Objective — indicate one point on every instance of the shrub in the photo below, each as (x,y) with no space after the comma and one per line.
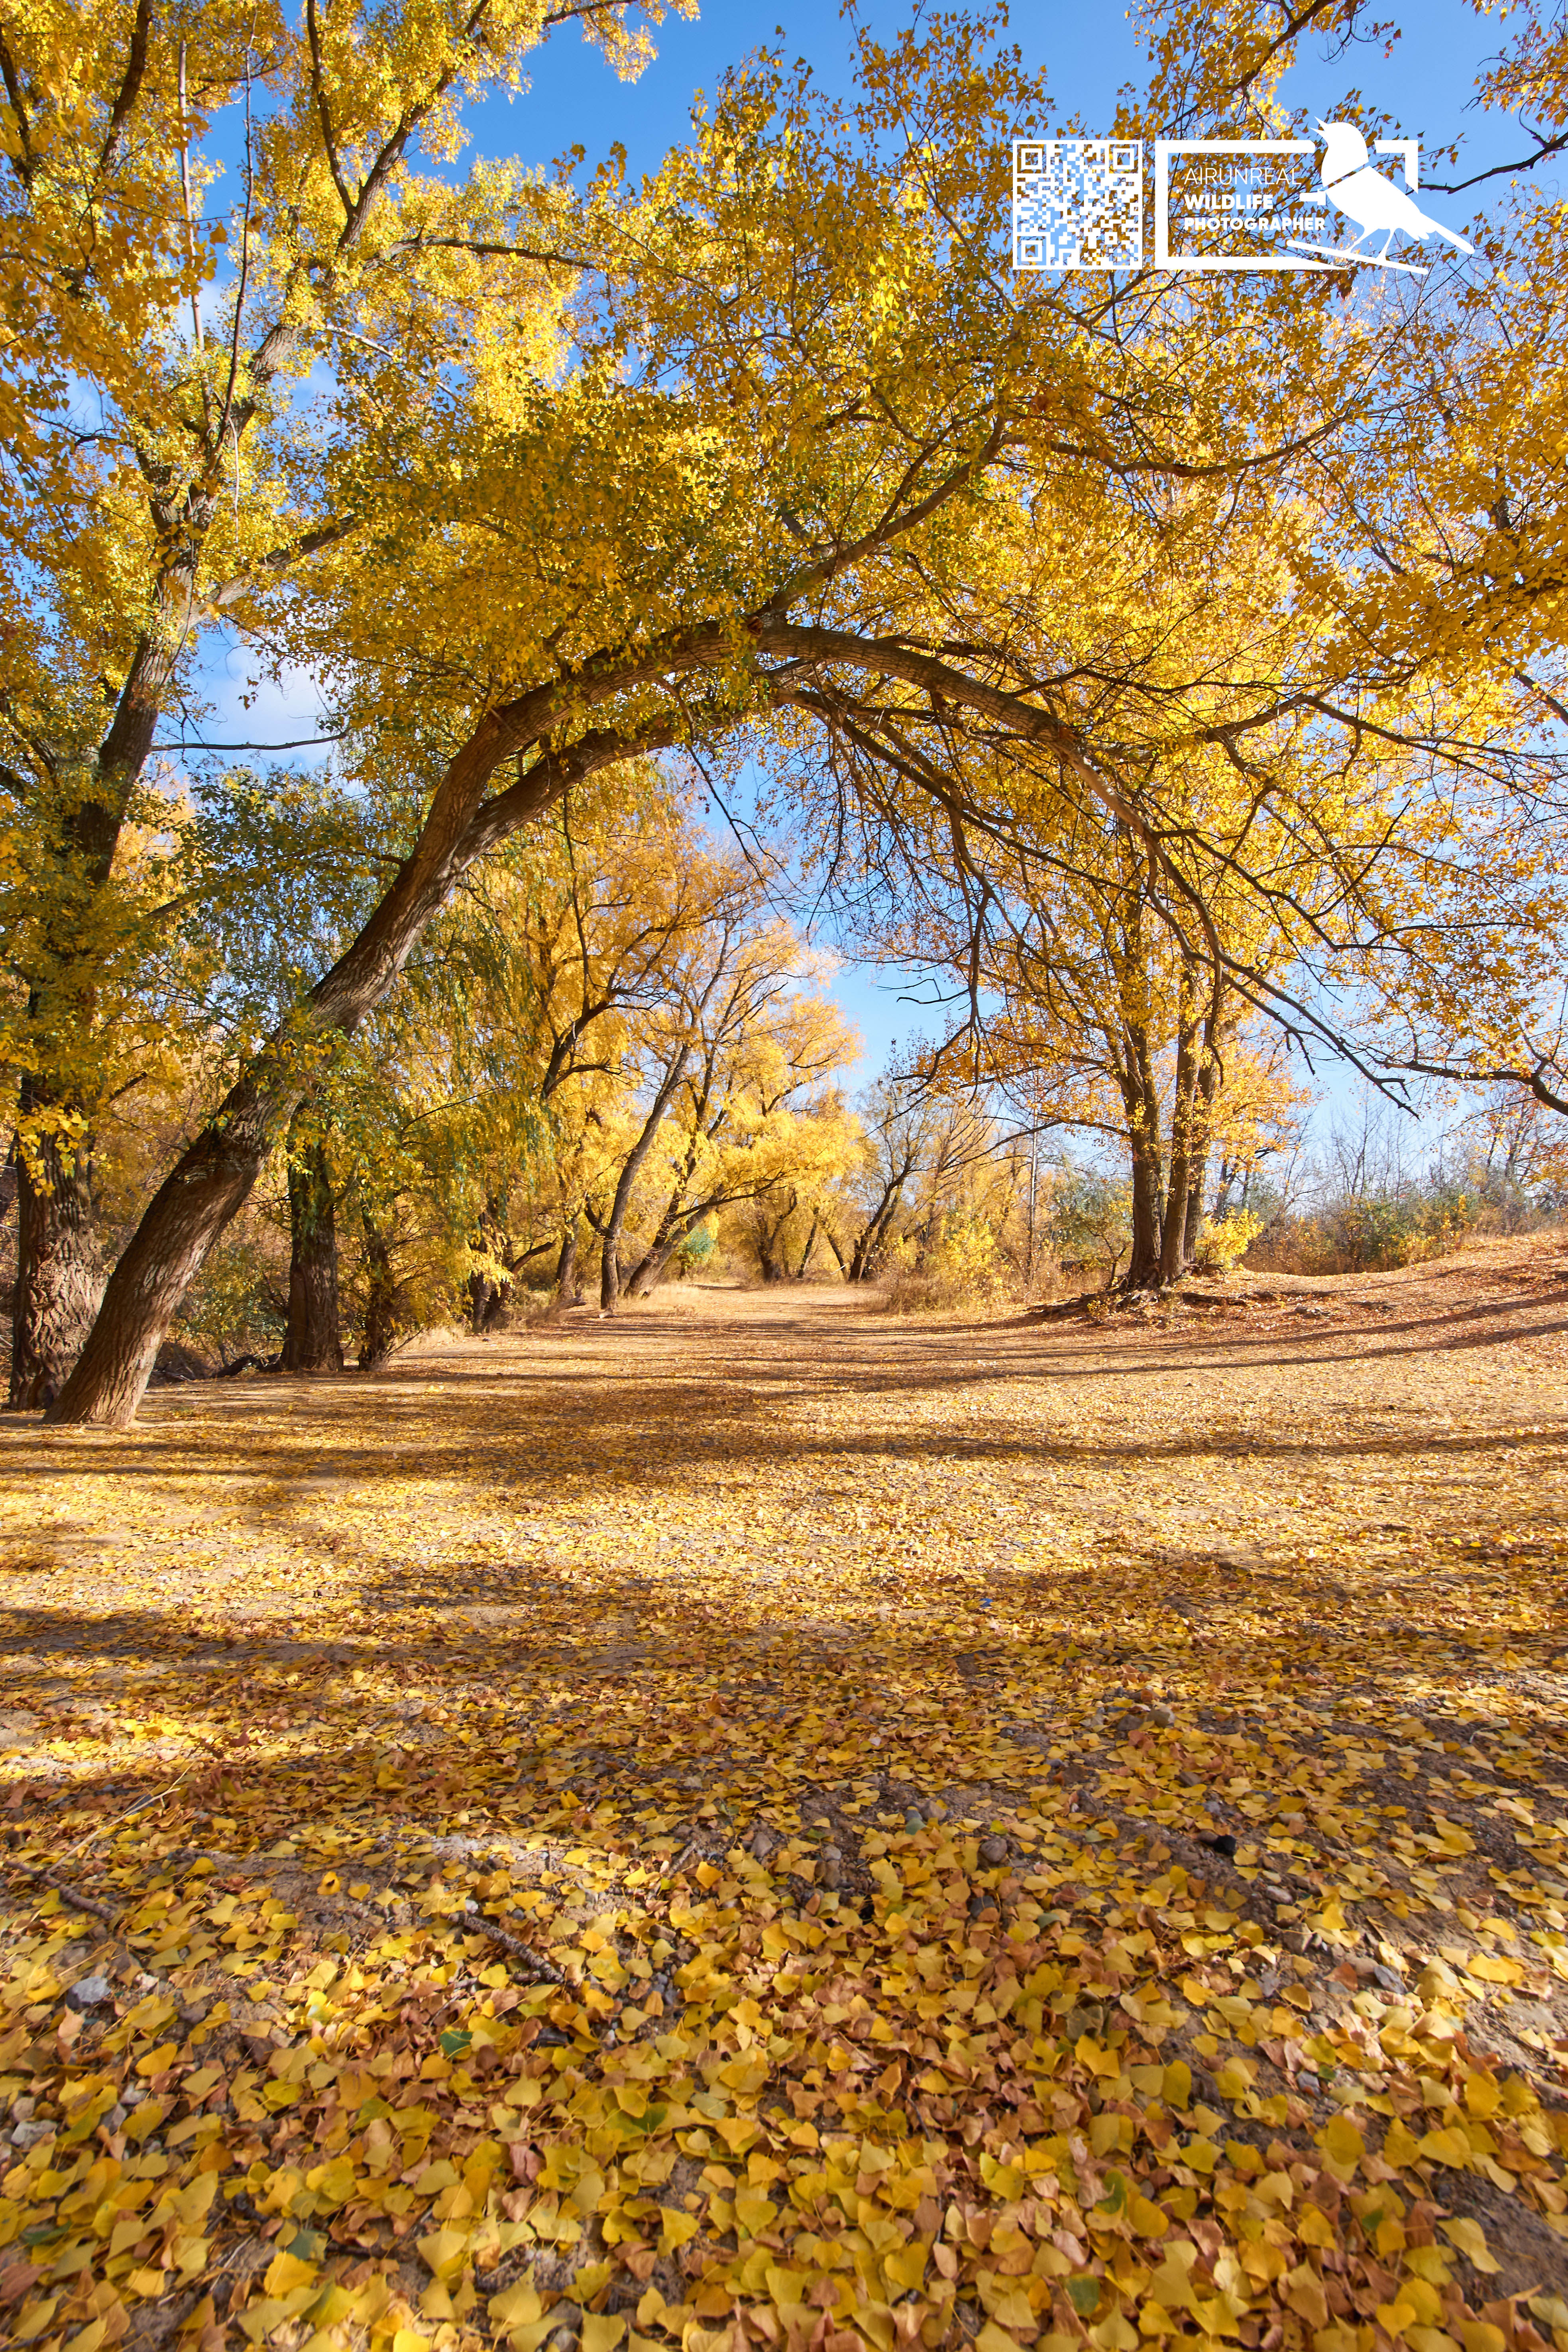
(1223,1242)
(1089,1223)
(236,1305)
(1370,1232)
(958,1268)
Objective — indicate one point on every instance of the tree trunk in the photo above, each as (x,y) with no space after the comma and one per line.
(1198,1186)
(869,1243)
(1173,1228)
(381,1305)
(190,1209)
(1208,1079)
(312,1342)
(674,1229)
(487,1302)
(610,1260)
(770,1245)
(213,1178)
(1144,1264)
(810,1244)
(1142,1099)
(59,1273)
(651,1269)
(488,1298)
(568,1288)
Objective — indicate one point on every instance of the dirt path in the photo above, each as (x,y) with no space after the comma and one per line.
(1036,1757)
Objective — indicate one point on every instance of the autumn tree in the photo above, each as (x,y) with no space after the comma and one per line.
(460,1127)
(783,482)
(206,470)
(1439,565)
(754,1119)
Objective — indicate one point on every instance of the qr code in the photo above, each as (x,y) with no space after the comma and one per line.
(1077,204)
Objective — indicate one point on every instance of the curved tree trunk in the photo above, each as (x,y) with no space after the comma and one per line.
(673,1231)
(190,1209)
(213,1178)
(60,1272)
(312,1342)
(651,1268)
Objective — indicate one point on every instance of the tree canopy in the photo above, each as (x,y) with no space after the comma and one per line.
(1236,599)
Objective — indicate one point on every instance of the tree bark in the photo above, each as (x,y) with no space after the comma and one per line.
(1143,1104)
(60,1272)
(185,1216)
(869,1242)
(1197,1184)
(770,1244)
(312,1342)
(1208,1087)
(1143,1264)
(567,1289)
(653,1264)
(381,1305)
(674,1229)
(1178,1182)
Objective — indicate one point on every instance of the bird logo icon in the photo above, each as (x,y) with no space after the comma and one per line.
(1362,194)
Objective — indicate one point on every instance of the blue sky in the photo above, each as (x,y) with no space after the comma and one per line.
(1088,51)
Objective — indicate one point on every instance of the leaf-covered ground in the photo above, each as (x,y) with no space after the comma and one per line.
(761,1824)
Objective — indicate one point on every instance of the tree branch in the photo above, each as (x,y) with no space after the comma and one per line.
(1543,147)
(324,113)
(26,162)
(130,87)
(281,560)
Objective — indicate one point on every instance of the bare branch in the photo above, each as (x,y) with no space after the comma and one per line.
(1544,148)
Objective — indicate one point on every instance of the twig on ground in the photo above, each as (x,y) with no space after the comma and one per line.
(68,1894)
(495,1932)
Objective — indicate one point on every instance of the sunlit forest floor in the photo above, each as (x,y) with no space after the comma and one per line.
(762,1823)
